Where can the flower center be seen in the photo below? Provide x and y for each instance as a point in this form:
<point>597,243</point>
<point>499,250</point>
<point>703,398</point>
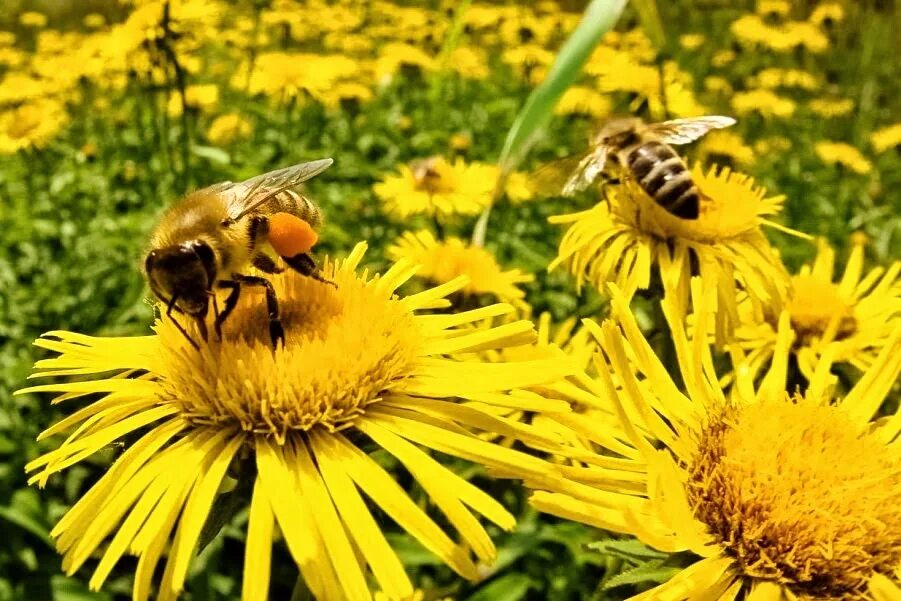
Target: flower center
<point>433,176</point>
<point>797,494</point>
<point>343,349</point>
<point>730,205</point>
<point>814,304</point>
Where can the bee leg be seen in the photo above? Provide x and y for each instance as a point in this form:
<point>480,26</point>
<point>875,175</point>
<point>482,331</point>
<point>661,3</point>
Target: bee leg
<point>230,301</point>
<point>305,265</point>
<point>276,331</point>
<point>256,229</point>
<point>265,264</point>
<point>180,328</point>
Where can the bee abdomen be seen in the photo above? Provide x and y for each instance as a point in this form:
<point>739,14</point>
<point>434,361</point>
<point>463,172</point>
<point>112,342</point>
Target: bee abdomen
<point>662,174</point>
<point>289,201</point>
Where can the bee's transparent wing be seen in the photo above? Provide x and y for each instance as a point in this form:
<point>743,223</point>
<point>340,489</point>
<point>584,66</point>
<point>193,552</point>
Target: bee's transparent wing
<point>588,170</point>
<point>683,131</point>
<point>251,193</point>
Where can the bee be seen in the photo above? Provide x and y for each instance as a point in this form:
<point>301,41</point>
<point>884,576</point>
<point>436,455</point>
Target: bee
<point>206,241</point>
<point>642,151</point>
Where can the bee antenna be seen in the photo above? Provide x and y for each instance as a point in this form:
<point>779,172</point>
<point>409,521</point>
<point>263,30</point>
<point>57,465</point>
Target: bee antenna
<point>178,325</point>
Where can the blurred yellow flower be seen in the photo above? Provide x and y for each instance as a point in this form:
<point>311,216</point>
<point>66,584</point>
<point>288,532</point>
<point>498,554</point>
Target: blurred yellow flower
<point>435,186</point>
<point>886,137</point>
<point>772,145</point>
<point>622,239</point>
<point>283,75</point>
<point>785,78</point>
<point>722,58</point>
<point>227,128</point>
<point>827,12</point>
<point>778,8</point>
<point>33,19</point>
<point>7,38</point>
<point>469,61</point>
<point>460,142</point>
<point>529,61</point>
<point>831,107</point>
<point>582,100</point>
<point>692,41</point>
<point>346,91</point>
<point>851,319</point>
<point>785,37</point>
<point>718,85</point>
<point>394,55</point>
<point>359,360</point>
<point>200,97</point>
<point>753,483</point>
<point>444,261</point>
<point>519,187</point>
<point>839,153</point>
<point>31,125</point>
<point>725,143</point>
<point>94,20</point>
<point>764,102</point>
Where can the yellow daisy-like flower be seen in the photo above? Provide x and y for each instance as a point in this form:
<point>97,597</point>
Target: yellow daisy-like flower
<point>202,97</point>
<point>692,41</point>
<point>581,100</point>
<point>33,19</point>
<point>445,261</point>
<point>780,496</point>
<point>469,61</point>
<point>434,186</point>
<point>763,102</point>
<point>725,143</point>
<point>284,75</point>
<point>358,360</point>
<point>852,319</point>
<point>831,107</point>
<point>32,124</point>
<point>886,137</point>
<point>621,240</point>
<point>827,13</point>
<point>394,55</point>
<point>227,128</point>
<point>839,153</point>
<point>777,8</point>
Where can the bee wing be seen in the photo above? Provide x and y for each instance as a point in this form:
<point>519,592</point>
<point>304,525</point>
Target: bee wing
<point>251,193</point>
<point>549,178</point>
<point>588,169</point>
<point>683,131</point>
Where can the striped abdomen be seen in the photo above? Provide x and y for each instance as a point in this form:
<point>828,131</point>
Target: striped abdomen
<point>295,203</point>
<point>662,174</point>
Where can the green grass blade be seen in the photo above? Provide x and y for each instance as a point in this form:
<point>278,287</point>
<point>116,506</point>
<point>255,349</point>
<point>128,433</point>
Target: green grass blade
<point>649,17</point>
<point>599,18</point>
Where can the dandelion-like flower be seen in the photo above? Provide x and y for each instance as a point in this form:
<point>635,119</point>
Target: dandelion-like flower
<point>852,318</point>
<point>227,128</point>
<point>845,155</point>
<point>622,239</point>
<point>358,361</point>
<point>779,495</point>
<point>886,137</point>
<point>447,260</point>
<point>434,186</point>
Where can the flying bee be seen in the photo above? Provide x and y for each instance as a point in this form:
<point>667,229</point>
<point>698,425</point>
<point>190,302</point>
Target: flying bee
<point>207,240</point>
<point>642,151</point>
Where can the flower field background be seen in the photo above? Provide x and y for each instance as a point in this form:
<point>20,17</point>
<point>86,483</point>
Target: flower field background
<point>109,111</point>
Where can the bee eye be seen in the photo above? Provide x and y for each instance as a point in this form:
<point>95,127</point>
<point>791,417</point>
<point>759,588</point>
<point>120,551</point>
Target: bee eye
<point>206,255</point>
<point>149,261</point>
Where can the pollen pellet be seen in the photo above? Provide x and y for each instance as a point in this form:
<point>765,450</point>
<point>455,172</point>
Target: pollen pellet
<point>290,235</point>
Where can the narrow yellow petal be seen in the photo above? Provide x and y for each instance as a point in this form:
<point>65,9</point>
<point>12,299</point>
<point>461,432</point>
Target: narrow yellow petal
<point>258,547</point>
<point>692,580</point>
<point>765,590</point>
<point>883,589</point>
<point>385,565</point>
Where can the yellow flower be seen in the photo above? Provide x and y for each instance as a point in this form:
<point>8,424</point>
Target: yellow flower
<point>469,61</point>
<point>7,38</point>
<point>777,495</point>
<point>394,55</point>
<point>346,91</point>
<point>33,19</point>
<point>722,58</point>
<point>444,261</point>
<point>581,100</point>
<point>785,78</point>
<point>31,125</point>
<point>772,145</point>
<point>718,85</point>
<point>435,186</point>
<point>886,137</point>
<point>692,41</point>
<point>284,75</point>
<point>725,143</point>
<point>831,107</point>
<point>201,97</point>
<point>529,61</point>
<point>358,360</point>
<point>460,142</point>
<point>786,37</point>
<point>827,13</point>
<point>778,8</point>
<point>227,128</point>
<point>764,102</point>
<point>94,21</point>
<point>622,239</point>
<point>839,153</point>
<point>619,71</point>
<point>851,319</point>
<point>519,188</point>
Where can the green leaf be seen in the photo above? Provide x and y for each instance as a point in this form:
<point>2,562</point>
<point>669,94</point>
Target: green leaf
<point>212,154</point>
<point>652,571</point>
<point>599,18</point>
<point>511,587</point>
<point>631,550</point>
<point>649,17</point>
<point>69,589</point>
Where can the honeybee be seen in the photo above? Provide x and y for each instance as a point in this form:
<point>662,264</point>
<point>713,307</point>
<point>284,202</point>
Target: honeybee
<point>207,240</point>
<point>643,152</point>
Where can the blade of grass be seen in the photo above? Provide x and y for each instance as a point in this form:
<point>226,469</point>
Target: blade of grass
<point>599,18</point>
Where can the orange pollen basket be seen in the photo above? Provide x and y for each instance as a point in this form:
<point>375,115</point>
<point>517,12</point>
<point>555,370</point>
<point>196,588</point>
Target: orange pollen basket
<point>290,235</point>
